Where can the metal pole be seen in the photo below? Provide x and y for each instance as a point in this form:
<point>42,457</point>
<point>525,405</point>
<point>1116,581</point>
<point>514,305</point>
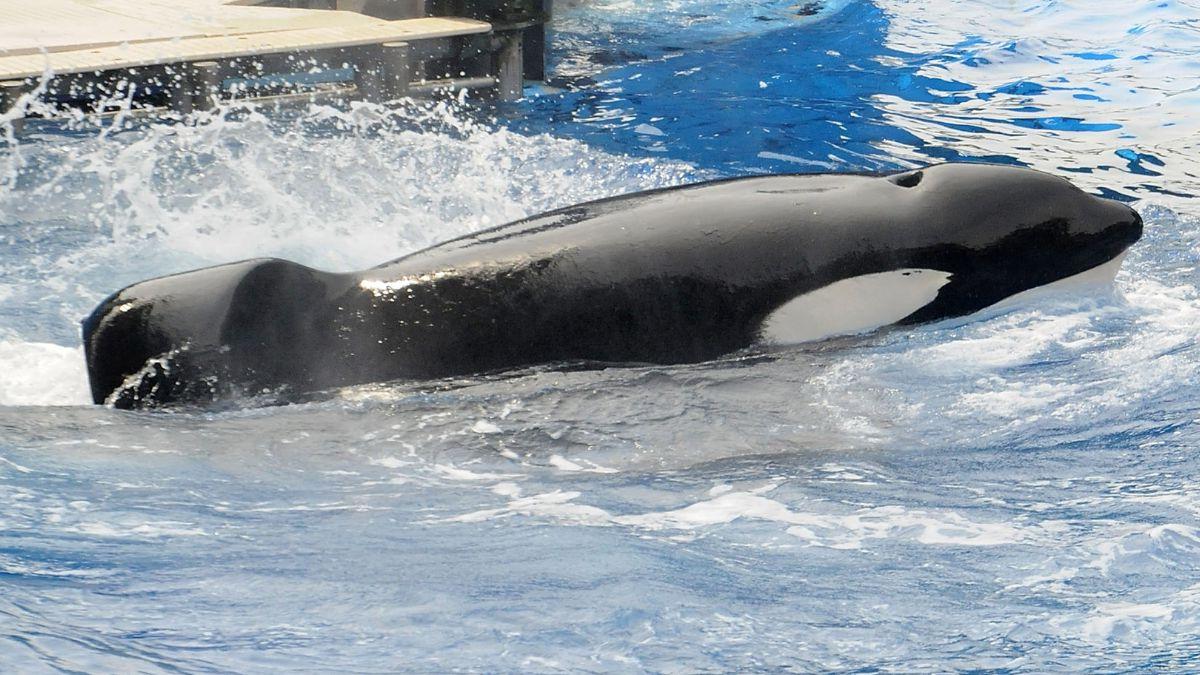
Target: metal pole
<point>535,43</point>
<point>208,85</point>
<point>412,9</point>
<point>180,88</point>
<point>396,69</point>
<point>512,66</point>
<point>367,75</point>
<point>388,9</point>
<point>10,93</point>
<point>384,72</point>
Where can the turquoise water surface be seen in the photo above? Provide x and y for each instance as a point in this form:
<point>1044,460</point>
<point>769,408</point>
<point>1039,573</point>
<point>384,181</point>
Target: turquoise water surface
<point>1013,492</point>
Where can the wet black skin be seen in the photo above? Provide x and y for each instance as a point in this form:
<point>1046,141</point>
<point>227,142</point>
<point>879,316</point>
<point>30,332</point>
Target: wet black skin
<point>668,276</point>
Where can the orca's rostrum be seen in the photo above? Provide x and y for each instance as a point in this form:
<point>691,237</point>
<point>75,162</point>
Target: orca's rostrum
<point>668,276</point>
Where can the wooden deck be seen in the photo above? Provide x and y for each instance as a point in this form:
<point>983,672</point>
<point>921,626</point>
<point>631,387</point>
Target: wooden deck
<point>184,56</point>
<point>33,26</point>
<point>82,36</point>
<point>158,52</point>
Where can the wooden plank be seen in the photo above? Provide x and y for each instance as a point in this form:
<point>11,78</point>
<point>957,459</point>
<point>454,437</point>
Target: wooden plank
<point>33,27</point>
<point>157,52</point>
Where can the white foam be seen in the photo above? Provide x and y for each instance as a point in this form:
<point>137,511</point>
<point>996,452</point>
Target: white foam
<point>1126,616</point>
<point>38,373</point>
<point>26,567</point>
<point>1011,341</point>
<point>554,505</point>
<point>455,473</point>
<point>146,530</point>
<point>1169,316</point>
<point>507,489</point>
<point>832,530</point>
<point>1028,400</point>
<point>725,508</point>
<point>1152,356</point>
<point>563,464</point>
<point>388,462</point>
<point>843,531</point>
<point>1164,617</point>
<point>1112,554</point>
<point>1135,547</point>
<point>827,166</point>
<point>17,467</point>
<point>165,198</point>
<point>485,427</point>
<point>316,508</point>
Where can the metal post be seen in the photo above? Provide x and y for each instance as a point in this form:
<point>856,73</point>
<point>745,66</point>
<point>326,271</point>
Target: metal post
<point>367,73</point>
<point>207,76</point>
<point>180,88</point>
<point>411,9</point>
<point>10,93</point>
<point>535,43</point>
<point>387,9</point>
<point>512,66</point>
<point>384,72</point>
<point>395,69</point>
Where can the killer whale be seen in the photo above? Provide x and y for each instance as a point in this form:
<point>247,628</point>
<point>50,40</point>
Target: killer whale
<point>674,275</point>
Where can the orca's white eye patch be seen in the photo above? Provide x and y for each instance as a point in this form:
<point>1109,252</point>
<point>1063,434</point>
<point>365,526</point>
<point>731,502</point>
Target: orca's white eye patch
<point>855,305</point>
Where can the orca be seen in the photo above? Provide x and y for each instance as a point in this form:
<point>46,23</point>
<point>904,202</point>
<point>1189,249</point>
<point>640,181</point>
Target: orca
<point>675,275</point>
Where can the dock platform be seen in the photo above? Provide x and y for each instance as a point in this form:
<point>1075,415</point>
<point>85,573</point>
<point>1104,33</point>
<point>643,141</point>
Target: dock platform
<point>185,55</point>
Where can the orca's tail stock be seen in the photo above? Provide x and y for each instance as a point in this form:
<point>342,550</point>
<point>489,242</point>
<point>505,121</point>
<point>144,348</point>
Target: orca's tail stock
<point>193,336</point>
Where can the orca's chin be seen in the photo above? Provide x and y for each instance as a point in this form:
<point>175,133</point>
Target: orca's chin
<point>1099,279</point>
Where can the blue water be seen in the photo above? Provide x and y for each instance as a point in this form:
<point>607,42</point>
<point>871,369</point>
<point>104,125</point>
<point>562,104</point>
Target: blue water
<point>1014,492</point>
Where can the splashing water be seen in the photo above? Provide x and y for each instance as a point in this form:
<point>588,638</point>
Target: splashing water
<point>1011,492</point>
<point>334,189</point>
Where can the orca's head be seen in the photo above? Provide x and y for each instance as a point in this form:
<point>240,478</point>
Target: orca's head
<point>1001,230</point>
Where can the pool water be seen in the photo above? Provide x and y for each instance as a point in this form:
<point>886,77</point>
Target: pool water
<point>1012,492</point>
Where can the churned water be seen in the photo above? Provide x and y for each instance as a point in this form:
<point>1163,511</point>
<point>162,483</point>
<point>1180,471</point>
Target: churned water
<point>1013,492</point>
